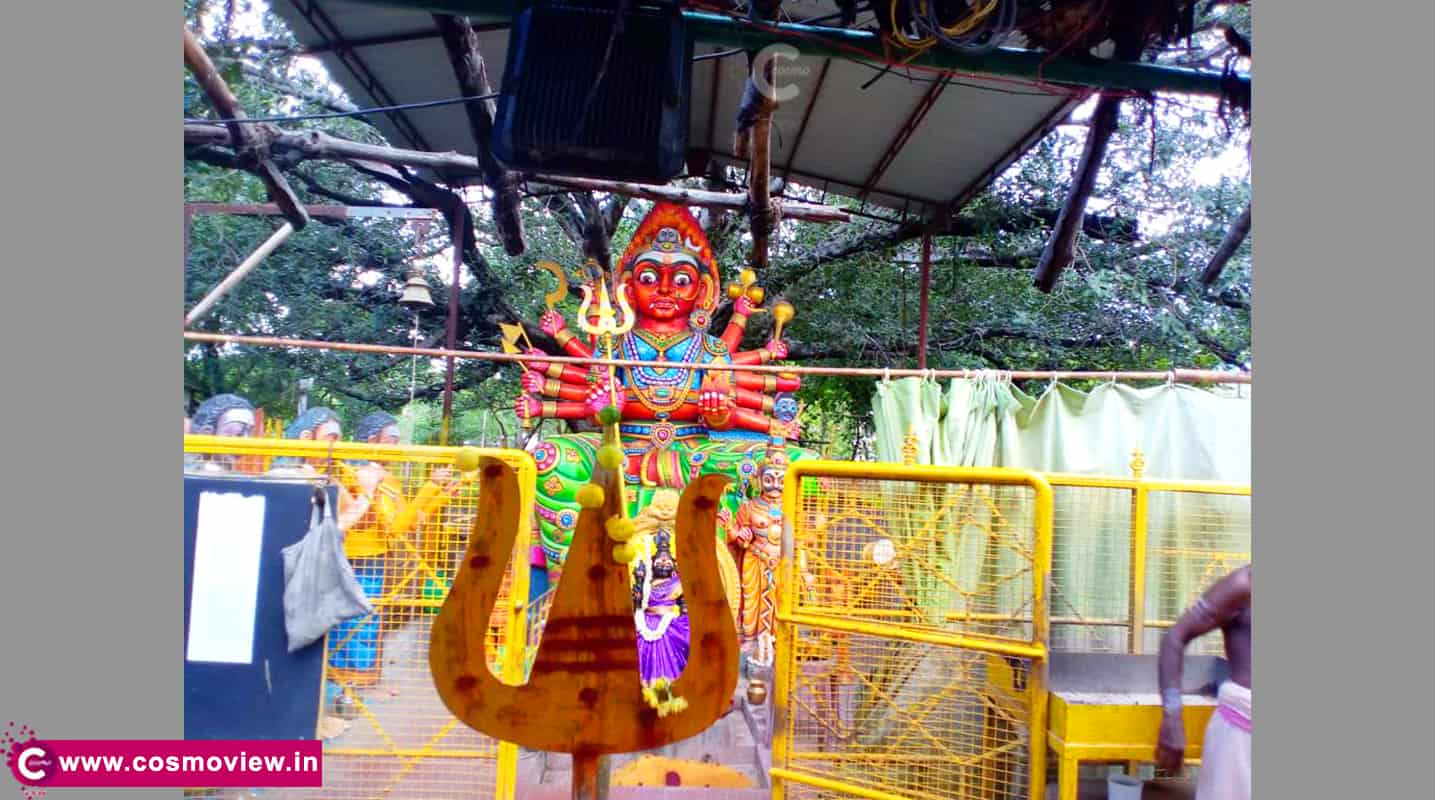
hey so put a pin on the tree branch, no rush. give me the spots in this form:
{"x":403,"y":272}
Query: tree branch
{"x":287,"y":87}
{"x":461,"y":43}
{"x":1111,"y":228}
{"x":1228,"y":247}
{"x":681,"y":195}
{"x":1062,"y":244}
{"x":310,"y":144}
{"x":1206,"y":340}
{"x":613,"y":214}
{"x":250,"y":145}
{"x":313,"y":185}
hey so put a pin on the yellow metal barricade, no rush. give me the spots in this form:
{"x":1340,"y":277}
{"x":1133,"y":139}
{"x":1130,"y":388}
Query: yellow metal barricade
{"x":387,"y":734}
{"x":1130,"y":554}
{"x":912,"y":629}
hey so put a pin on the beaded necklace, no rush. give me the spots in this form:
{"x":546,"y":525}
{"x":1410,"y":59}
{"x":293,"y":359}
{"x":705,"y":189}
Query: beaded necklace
{"x":662,"y":390}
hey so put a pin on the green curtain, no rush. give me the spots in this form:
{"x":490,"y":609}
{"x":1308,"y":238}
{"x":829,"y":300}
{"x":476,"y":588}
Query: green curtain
{"x":1184,"y":433}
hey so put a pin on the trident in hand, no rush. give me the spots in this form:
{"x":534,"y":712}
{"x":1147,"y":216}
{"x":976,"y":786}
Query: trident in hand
{"x":610,"y":323}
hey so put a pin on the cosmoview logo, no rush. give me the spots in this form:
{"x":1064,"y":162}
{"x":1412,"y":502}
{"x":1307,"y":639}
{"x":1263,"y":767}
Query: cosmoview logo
{"x":782,"y":58}
{"x":31,"y":761}
{"x":35,"y":763}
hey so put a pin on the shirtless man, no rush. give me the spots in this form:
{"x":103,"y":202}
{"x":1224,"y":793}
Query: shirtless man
{"x":1226,"y":751}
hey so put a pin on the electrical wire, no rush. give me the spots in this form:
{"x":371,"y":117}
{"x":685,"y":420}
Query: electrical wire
{"x":984,"y":28}
{"x":869,"y":55}
{"x":358,"y":112}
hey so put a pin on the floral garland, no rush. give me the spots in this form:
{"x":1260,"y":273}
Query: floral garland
{"x":640,"y":619}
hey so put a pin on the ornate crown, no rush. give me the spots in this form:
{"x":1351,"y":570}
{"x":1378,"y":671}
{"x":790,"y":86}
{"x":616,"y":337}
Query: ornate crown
{"x":672,"y":229}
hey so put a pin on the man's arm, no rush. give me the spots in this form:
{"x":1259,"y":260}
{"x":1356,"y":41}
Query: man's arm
{"x":1221,"y":603}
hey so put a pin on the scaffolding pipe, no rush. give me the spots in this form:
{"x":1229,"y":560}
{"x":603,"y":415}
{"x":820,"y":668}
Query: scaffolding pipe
{"x":1208,"y":376}
{"x":232,"y":279}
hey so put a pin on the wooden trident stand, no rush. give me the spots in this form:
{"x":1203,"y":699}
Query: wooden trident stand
{"x":584,"y":695}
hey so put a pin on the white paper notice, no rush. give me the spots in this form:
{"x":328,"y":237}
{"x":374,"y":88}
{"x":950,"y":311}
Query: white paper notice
{"x":227,"y":543}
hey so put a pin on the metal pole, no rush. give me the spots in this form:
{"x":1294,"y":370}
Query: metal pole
{"x":305,"y":384}
{"x":922,"y":314}
{"x":457,"y":235}
{"x":231,"y":280}
{"x":1174,"y":375}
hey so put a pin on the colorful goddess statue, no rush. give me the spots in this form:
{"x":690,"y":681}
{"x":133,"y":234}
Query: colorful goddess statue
{"x":679,"y":418}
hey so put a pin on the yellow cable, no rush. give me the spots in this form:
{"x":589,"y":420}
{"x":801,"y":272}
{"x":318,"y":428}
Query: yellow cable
{"x":901,"y":38}
{"x":971,"y":20}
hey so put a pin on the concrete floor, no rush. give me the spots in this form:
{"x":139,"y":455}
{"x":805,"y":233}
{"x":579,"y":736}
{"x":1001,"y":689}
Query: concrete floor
{"x":411,"y":715}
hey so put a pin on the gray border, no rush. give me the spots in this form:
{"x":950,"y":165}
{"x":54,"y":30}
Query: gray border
{"x":91,"y":571}
{"x":1340,"y":334}
{"x":91,"y":575}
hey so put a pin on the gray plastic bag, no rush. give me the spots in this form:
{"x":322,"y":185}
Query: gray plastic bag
{"x":320,"y":589}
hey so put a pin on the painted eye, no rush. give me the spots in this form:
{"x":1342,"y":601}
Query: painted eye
{"x":647,"y":277}
{"x":682,"y":279}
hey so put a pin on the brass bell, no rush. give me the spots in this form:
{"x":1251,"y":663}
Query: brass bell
{"x":756,"y":692}
{"x":416,"y":292}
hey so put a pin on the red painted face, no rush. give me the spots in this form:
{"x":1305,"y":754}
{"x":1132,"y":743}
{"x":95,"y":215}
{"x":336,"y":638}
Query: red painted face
{"x":664,"y":291}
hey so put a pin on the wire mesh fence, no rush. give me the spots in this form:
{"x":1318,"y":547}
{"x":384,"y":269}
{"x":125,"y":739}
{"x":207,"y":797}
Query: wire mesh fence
{"x":407,"y":514}
{"x":910,"y":633}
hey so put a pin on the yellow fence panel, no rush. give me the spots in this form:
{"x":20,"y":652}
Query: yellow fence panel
{"x":387,"y":734}
{"x":911,"y":633}
{"x":1130,"y":554}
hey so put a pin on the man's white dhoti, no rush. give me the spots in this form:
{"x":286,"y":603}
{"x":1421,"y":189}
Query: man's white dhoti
{"x":1226,"y":751}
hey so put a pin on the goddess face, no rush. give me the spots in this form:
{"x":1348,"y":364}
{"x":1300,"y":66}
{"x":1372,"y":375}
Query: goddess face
{"x":663,"y":564}
{"x":664,"y":287}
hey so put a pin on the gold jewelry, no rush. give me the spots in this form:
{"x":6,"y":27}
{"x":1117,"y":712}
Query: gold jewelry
{"x":662,"y":342}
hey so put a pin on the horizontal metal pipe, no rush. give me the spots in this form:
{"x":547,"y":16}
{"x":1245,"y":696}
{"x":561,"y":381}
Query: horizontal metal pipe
{"x":939,"y":638}
{"x":836,"y":786}
{"x":1174,"y":376}
{"x":1060,"y":480}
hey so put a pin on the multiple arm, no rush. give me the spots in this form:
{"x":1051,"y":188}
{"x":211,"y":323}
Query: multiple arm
{"x":724,"y":401}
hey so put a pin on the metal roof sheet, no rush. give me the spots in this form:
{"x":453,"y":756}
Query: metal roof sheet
{"x":973,"y":129}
